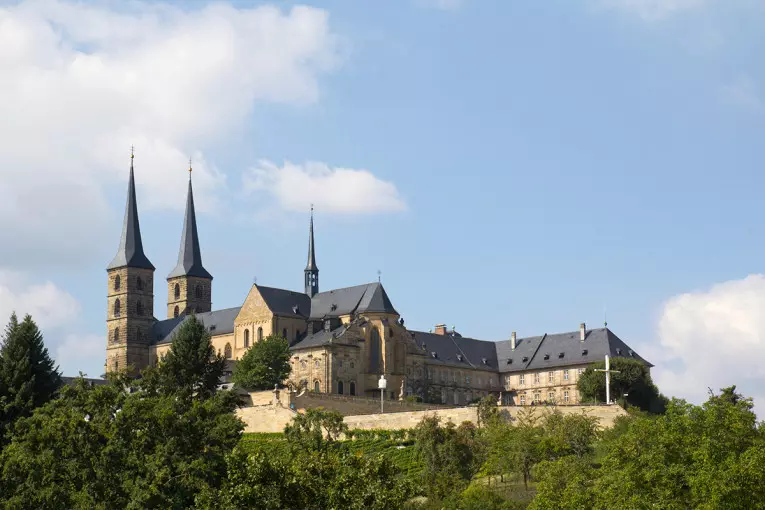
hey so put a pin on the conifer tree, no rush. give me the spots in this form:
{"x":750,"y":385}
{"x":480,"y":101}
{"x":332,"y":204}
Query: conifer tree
{"x":191,"y":367}
{"x":28,"y":376}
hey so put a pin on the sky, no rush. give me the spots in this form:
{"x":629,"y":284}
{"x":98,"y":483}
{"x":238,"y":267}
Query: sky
{"x":505,"y":166}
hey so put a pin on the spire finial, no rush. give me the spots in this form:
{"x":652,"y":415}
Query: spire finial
{"x":190,"y":169}
{"x":379,"y":275}
{"x":132,"y":151}
{"x":605,"y":317}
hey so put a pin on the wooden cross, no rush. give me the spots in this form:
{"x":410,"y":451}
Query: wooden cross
{"x":608,"y":372}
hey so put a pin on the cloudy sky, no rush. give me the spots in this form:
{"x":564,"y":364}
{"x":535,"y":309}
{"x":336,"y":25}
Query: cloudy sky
{"x":507,"y":166}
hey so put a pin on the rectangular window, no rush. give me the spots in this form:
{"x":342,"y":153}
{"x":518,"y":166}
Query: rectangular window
{"x":579,"y":371}
{"x":467,"y":379}
{"x":551,"y":396}
{"x":537,"y":398}
{"x":565,"y":396}
{"x":340,"y":363}
{"x":523,"y":400}
{"x":521,"y":379}
{"x":536,"y":377}
{"x":550,"y":377}
{"x":565,"y":375}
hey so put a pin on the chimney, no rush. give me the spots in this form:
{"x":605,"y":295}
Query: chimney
{"x":512,"y":340}
{"x":582,"y":331}
{"x":440,"y":329}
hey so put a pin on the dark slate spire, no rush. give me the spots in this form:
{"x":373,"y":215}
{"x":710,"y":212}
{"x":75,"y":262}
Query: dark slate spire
{"x":190,"y":256}
{"x":311,"y":269}
{"x":130,"y":252}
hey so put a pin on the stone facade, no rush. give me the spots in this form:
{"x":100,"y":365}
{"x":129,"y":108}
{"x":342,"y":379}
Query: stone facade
{"x":188,"y":293}
{"x":130,"y":302}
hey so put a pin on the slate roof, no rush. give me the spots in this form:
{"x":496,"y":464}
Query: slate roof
{"x":318,"y":339}
{"x":282,"y":302}
{"x":370,"y":297}
{"x":221,"y":322}
{"x":311,"y":265}
{"x":449,"y":348}
{"x":562,"y":349}
{"x":189,"y":255}
{"x":130,"y":252}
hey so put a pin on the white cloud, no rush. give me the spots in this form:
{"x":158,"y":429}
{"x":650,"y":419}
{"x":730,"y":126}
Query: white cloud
{"x":81,"y":83}
{"x":712,"y":339}
{"x":742,"y":93}
{"x":81,"y":353}
{"x":652,"y":10}
{"x":334,"y":190}
{"x":49,"y":306}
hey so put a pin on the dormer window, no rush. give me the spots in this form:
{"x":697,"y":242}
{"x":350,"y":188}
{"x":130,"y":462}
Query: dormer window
{"x":560,"y":354}
{"x":484,"y":361}
{"x":327,"y":325}
{"x":630,"y":353}
{"x":547,"y":357}
{"x":459,"y":357}
{"x":333,"y":307}
{"x":525,"y":359}
{"x":584,"y":352}
{"x":618,"y":352}
{"x":295,"y":309}
{"x":509,"y":361}
{"x":433,"y":354}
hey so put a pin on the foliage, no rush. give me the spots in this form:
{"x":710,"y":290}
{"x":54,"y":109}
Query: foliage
{"x":633,"y":379}
{"x":450,"y":455}
{"x":191,"y":368}
{"x":488,"y":413}
{"x":265,"y":365}
{"x":315,"y":430}
{"x":28,"y":376}
{"x":564,"y":483}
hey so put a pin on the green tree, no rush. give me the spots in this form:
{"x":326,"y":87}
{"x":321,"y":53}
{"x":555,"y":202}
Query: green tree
{"x":315,"y":430}
{"x":28,"y":376}
{"x":515,"y":448}
{"x":190,"y":367}
{"x":564,"y":483}
{"x":265,"y":365}
{"x":569,"y":434}
{"x":488,"y":412}
{"x":633,"y":379}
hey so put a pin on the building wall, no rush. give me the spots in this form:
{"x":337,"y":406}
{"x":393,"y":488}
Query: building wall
{"x":552,"y":385}
{"x":128,"y":324}
{"x":187,"y":298}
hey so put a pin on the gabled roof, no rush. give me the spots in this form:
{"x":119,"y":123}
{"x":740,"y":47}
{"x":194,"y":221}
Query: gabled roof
{"x":218,"y":322}
{"x":189,"y":255}
{"x":283,"y":302}
{"x":130,"y":252}
{"x":448,"y":350}
{"x":562,"y":349}
{"x":370,"y":297}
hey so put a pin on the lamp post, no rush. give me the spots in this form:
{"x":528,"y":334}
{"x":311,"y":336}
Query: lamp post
{"x":381,"y":385}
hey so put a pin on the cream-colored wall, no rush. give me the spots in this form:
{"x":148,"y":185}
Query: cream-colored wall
{"x":255,"y":316}
{"x":310,"y":365}
{"x":539,"y":383}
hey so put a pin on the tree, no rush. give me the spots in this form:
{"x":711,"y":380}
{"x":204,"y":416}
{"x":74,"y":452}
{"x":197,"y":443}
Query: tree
{"x":315,"y":430}
{"x":570,"y":434}
{"x":28,"y":376}
{"x":488,"y":412}
{"x":191,"y":367}
{"x":633,"y":379}
{"x":105,"y":447}
{"x":265,"y":365}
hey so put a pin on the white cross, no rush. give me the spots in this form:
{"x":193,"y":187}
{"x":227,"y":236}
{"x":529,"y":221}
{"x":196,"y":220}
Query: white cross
{"x":608,"y":378}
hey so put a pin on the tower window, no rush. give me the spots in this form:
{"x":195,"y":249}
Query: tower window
{"x":117,"y":282}
{"x":246,"y":337}
{"x":177,"y":291}
{"x":260,"y":334}
{"x":316,"y":387}
{"x":139,"y":283}
{"x":117,"y":308}
{"x":227,"y":351}
{"x":176,"y":311}
{"x":198,"y":291}
{"x":116,"y":335}
{"x":339,"y":387}
{"x":139,"y":307}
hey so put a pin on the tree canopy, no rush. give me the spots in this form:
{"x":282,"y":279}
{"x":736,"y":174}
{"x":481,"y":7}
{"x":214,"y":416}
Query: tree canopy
{"x":633,"y":379}
{"x":28,"y":376}
{"x":265,"y":365}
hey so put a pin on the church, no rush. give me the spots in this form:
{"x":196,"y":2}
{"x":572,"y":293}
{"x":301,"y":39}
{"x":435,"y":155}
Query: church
{"x":341,"y":340}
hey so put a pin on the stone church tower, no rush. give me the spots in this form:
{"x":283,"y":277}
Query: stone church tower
{"x":130,"y":295}
{"x":189,"y":285}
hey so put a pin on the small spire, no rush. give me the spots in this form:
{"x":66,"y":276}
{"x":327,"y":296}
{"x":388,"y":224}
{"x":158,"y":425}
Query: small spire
{"x":190,"y":255}
{"x":311,"y":272}
{"x":130,"y":252}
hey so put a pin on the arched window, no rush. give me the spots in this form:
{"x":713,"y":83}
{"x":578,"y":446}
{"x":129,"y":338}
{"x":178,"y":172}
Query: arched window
{"x":227,"y":351}
{"x":260,"y":334}
{"x":316,"y":387}
{"x":117,"y":308}
{"x":198,"y":291}
{"x":456,"y":398}
{"x":339,"y":387}
{"x":284,"y":333}
{"x":117,"y":282}
{"x":177,"y":291}
{"x":116,"y":335}
{"x":116,"y":364}
{"x":352,"y":388}
{"x":139,"y":307}
{"x":139,"y":283}
{"x":246,"y":337}
{"x":374,"y":351}
{"x":176,"y":311}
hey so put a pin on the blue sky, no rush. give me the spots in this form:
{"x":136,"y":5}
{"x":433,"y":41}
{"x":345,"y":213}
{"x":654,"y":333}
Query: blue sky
{"x":528,"y":164}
